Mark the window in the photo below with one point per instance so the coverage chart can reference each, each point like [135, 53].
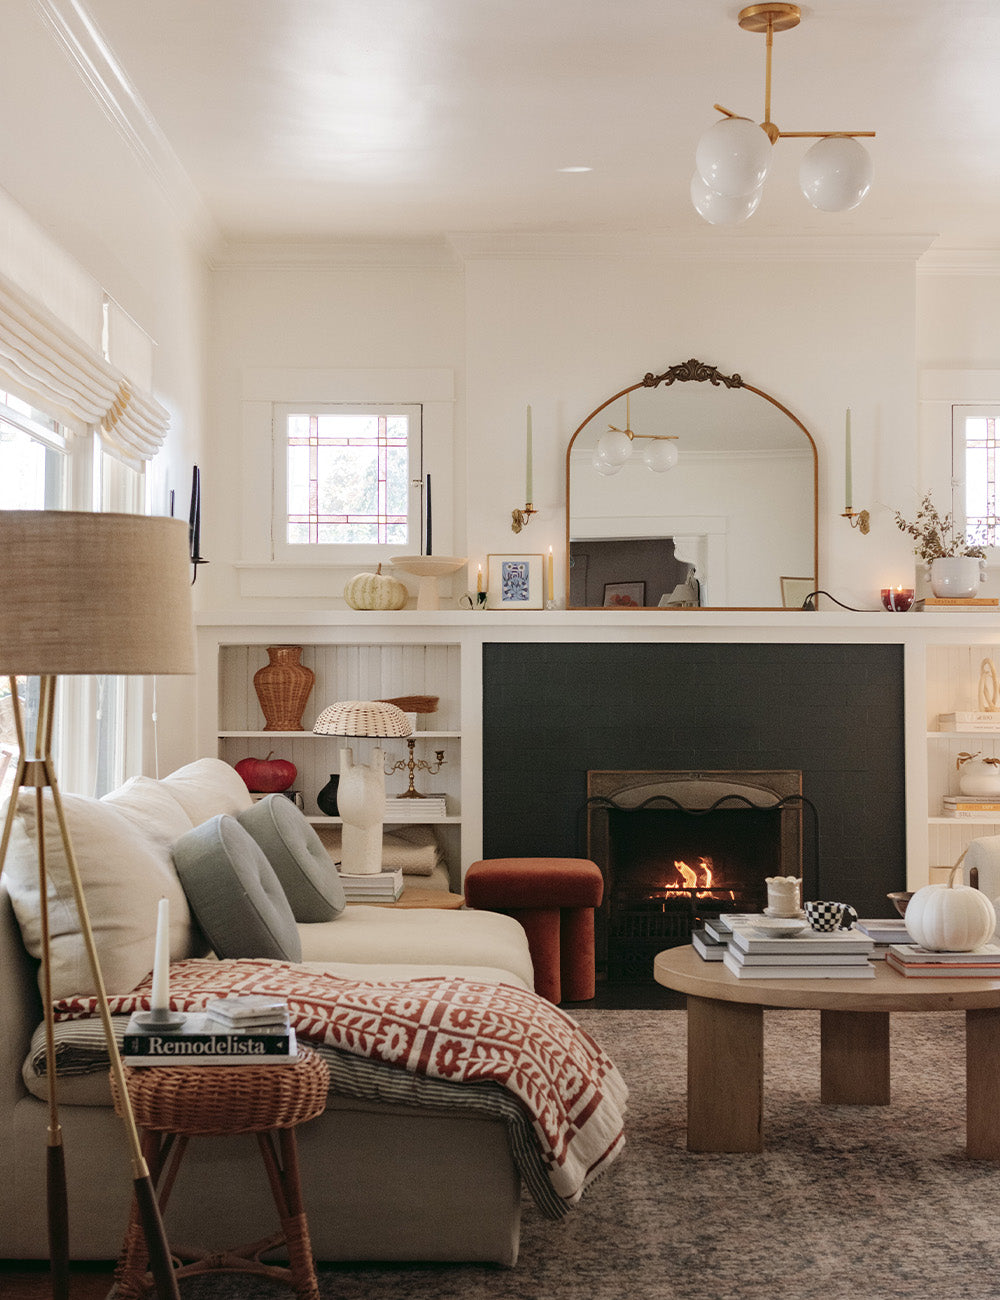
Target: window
[98, 720]
[347, 481]
[975, 435]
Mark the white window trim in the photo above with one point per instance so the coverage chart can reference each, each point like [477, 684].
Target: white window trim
[432, 389]
[355, 554]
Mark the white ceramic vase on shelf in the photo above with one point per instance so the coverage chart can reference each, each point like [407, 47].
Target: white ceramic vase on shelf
[979, 778]
[957, 576]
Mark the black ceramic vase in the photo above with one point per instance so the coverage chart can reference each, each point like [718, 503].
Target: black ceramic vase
[326, 800]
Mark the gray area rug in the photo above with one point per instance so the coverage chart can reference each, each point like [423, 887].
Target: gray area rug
[846, 1203]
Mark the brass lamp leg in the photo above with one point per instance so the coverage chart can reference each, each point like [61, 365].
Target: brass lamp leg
[37, 774]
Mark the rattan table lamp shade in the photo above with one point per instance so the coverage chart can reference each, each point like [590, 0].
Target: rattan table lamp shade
[94, 593]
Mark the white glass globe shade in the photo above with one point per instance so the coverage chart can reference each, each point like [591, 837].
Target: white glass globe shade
[605, 466]
[615, 447]
[722, 209]
[732, 156]
[661, 454]
[836, 174]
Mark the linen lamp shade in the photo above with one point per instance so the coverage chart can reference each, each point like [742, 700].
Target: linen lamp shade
[94, 593]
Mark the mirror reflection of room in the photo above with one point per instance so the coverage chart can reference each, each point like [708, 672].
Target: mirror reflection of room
[733, 513]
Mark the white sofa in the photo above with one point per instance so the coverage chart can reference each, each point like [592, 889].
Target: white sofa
[429, 1177]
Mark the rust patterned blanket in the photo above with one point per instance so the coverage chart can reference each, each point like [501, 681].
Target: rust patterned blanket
[449, 1029]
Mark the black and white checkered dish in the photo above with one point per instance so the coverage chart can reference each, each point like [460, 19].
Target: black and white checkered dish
[825, 916]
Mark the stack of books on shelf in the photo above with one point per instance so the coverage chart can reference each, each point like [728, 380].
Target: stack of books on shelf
[230, 1031]
[969, 721]
[938, 603]
[970, 805]
[373, 887]
[883, 932]
[429, 808]
[752, 953]
[911, 959]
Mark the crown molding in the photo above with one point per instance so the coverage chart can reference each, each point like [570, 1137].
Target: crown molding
[76, 32]
[713, 246]
[346, 254]
[960, 261]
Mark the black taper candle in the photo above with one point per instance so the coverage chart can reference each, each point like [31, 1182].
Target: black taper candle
[429, 550]
[194, 519]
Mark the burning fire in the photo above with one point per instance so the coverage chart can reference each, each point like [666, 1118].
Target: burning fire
[689, 875]
[695, 880]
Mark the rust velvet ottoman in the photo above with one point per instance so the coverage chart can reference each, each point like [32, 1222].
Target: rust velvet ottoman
[554, 900]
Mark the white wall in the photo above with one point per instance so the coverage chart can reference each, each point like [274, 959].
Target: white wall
[819, 331]
[76, 177]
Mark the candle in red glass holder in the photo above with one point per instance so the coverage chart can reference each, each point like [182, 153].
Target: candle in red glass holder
[897, 599]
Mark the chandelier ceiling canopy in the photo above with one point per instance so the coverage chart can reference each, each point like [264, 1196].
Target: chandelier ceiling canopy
[733, 156]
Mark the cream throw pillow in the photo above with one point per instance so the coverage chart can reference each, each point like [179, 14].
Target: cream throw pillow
[206, 788]
[125, 871]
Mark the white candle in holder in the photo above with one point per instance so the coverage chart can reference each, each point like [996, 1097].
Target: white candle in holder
[160, 999]
[783, 895]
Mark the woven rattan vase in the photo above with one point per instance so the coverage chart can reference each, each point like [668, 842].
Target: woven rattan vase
[283, 686]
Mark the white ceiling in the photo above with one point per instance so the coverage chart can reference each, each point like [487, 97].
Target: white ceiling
[412, 119]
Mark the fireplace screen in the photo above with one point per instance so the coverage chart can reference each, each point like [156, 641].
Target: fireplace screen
[677, 847]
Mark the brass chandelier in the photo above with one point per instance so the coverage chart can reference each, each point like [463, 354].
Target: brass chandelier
[732, 158]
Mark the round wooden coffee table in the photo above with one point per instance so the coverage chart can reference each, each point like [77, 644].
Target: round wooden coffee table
[726, 1044]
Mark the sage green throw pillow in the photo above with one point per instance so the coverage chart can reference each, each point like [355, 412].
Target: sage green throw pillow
[234, 893]
[308, 876]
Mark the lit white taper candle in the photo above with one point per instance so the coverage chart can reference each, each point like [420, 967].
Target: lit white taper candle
[160, 999]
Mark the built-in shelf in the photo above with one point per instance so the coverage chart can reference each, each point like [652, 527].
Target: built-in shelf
[346, 670]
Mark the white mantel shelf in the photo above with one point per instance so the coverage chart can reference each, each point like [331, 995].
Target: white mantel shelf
[926, 639]
[599, 624]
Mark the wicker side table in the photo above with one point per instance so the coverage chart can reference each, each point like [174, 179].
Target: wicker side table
[175, 1103]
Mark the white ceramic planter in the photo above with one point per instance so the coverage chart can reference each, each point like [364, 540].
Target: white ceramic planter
[977, 777]
[957, 576]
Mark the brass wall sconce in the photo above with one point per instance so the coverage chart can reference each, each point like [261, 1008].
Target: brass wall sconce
[414, 765]
[859, 519]
[518, 518]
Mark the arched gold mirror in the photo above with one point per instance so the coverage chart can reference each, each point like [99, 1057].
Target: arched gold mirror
[729, 522]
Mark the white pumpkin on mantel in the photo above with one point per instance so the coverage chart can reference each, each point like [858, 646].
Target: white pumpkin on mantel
[376, 590]
[950, 918]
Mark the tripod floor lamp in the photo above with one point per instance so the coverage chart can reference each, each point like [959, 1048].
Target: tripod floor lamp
[86, 594]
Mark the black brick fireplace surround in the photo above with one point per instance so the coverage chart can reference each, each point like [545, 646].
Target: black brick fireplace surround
[551, 712]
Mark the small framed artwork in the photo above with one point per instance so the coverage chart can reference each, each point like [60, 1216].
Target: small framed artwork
[795, 590]
[624, 595]
[514, 582]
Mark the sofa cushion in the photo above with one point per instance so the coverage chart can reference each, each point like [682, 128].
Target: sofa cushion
[420, 937]
[207, 787]
[234, 893]
[124, 875]
[311, 882]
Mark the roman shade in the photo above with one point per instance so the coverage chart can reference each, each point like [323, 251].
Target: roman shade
[46, 363]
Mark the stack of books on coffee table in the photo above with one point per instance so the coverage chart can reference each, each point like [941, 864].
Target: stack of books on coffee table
[911, 959]
[753, 953]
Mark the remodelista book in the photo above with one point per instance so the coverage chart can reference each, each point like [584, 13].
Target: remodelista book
[200, 1040]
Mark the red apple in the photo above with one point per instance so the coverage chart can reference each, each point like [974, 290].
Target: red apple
[267, 775]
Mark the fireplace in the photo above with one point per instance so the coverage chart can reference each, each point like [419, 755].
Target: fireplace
[677, 847]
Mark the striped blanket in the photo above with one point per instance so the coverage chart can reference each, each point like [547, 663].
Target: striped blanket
[449, 1029]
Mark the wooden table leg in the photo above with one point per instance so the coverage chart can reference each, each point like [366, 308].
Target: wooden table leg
[982, 1084]
[725, 1075]
[854, 1058]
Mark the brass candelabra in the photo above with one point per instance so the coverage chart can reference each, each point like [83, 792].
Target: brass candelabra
[414, 765]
